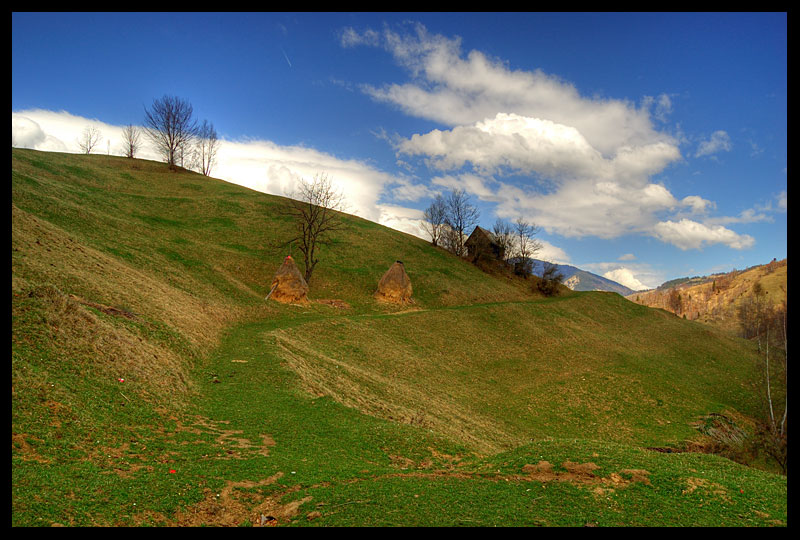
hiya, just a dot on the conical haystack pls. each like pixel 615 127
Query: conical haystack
pixel 288 285
pixel 395 286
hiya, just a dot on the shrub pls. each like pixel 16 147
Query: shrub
pixel 550 281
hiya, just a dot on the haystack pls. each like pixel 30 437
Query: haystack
pixel 288 285
pixel 394 286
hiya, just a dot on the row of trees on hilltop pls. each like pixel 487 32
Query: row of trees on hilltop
pixel 178 137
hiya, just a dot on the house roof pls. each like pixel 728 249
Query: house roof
pixel 489 235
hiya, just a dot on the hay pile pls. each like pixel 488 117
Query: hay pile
pixel 288 285
pixel 395 286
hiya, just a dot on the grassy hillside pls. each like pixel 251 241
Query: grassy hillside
pixel 152 385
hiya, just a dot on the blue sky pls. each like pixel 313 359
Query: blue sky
pixel 645 146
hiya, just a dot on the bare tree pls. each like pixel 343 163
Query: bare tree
pixel 773 434
pixel 131 140
pixel 504 237
pixel 206 148
pixel 170 125
pixel 316 208
pixel 765 322
pixel 89 139
pixel 434 218
pixel 462 215
pixel 183 151
pixel 526 246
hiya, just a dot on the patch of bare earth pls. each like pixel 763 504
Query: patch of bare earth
pixel 19 442
pixel 229 441
pixel 705 486
pixel 241 502
pixel 125 462
pixel 257 504
pixel 584 474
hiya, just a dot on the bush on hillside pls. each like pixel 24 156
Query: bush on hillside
pixel 550 280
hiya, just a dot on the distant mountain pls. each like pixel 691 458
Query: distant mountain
pixel 581 280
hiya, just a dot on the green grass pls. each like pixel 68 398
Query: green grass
pixel 231 408
pixel 507 376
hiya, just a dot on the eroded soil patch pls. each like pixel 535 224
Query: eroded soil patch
pixel 584 474
pixel 234 446
pixel 232 506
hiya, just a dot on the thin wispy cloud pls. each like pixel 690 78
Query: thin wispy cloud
pixel 719 141
pixel 286 57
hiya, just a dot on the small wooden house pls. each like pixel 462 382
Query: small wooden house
pixel 482 244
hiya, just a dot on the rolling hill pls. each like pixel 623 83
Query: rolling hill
pixel 152 384
pixel 714 299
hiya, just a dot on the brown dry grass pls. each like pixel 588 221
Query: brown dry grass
pixel 47 254
pixel 715 301
pixel 115 350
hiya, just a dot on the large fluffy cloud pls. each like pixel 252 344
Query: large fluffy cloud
pixel 624 276
pixel 456 91
pixel 26 131
pixel 272 168
pixel 588 164
pixel 519 144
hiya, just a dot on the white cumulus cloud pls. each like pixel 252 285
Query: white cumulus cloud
pixel 456 90
pixel 687 234
pixel 583 166
pixel 587 162
pixel 626 277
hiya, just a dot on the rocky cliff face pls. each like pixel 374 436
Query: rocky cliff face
pixel 572 282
